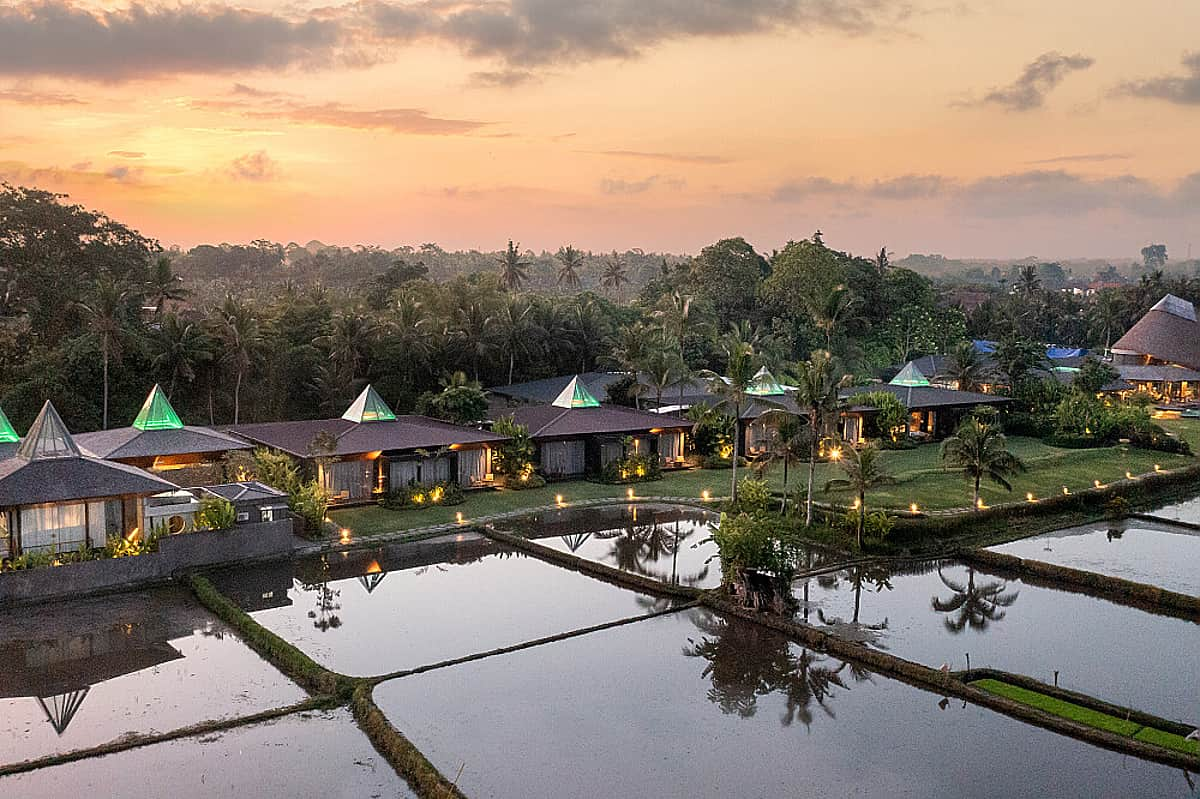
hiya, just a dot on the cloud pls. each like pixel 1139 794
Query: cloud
pixel 502 79
pixel 22 96
pixel 256 167
pixel 61 38
pixel 618 187
pixel 1180 89
pixel 126 154
pixel 530 33
pixel 336 115
pixel 82 173
pixel 678 158
pixel 1082 158
pixel 904 187
pixel 1037 79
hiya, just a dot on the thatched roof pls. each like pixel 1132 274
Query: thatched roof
pixel 1168 332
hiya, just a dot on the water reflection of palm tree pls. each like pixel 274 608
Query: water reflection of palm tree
pixel 747 661
pixel 633 547
pixel 974 606
pixel 325 615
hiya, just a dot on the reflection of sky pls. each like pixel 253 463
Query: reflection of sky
pixel 420 616
pixel 633 709
pixel 1096 646
pixel 1164 558
pixel 123 663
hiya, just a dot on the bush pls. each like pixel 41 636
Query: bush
pixel 754 496
pixel 1159 441
pixel 512 458
pixel 523 481
pixel 748 542
pixel 712 437
pixel 633 468
pixel 215 513
pixel 890 423
pixel 877 524
pixel 418 496
pixel 311 502
pixel 1116 508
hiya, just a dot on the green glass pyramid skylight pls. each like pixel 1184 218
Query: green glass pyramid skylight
pixel 157 413
pixel 576 395
pixel 369 407
pixel 910 376
pixel 7 434
pixel 765 385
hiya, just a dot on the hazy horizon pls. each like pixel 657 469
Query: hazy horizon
pixel 998 130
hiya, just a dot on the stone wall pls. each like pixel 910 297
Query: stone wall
pixel 175 553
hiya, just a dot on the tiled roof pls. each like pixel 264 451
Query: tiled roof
pixel 548 389
pixel 130 442
pixel 550 421
pixel 350 438
pixel 928 396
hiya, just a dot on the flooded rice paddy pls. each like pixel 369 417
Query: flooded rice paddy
pixel 1134 550
pixel 81 673
pixel 939 612
pixel 694 705
pixel 317 754
pixel 379 611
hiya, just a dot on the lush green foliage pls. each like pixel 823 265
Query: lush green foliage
pixel 754 496
pixel 513 458
pixel 414 497
pixel 713 433
pixel 980 450
pixel 460 401
pixel 634 467
pixel 215 513
pixel 890 422
pixel 754 542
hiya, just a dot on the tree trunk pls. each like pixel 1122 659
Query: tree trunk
pixel 812 468
pixel 512 356
pixel 211 419
pixel 737 439
pixel 105 348
pixel 975 503
pixel 862 515
pixel 237 396
pixel 783 507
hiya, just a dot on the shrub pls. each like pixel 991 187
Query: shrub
pixel 633 468
pixel 754 496
pixel 276 470
pixel 419 496
pixel 1116 508
pixel 525 480
pixel 712 437
pixel 889 422
pixel 311 502
pixel 748 541
pixel 215 513
pixel 876 525
pixel 512 458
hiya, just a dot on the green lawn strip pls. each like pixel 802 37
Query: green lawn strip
pixel 1058 707
pixel 1168 740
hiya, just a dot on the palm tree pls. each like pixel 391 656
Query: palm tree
pixel 677 314
pixel 663 366
pixel 570 262
pixel 179 347
pixel 789 443
pixel 628 351
pixel 1105 314
pixel 407 337
pixel 976 605
pixel 513 270
pixel 107 312
pixel 968 367
pixel 517 331
pixel 241 338
pixel 472 331
pixel 864 470
pixel 1029 282
pixel 980 450
pixel 817 392
pixel 733 391
pixel 349 342
pixel 164 285
pixel 615 274
pixel 828 306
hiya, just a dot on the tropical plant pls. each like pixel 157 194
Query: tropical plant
pixel 615 274
pixel 968 368
pixel 570 261
pixel 164 285
pixel 512 458
pixel 107 314
pixel 974 606
pixel 828 306
pixel 790 441
pixel 817 391
pixel 733 392
pixel 864 469
pixel 179 348
pixel 241 339
pixel 891 414
pixel 461 401
pixel 516 331
pixel 514 270
pixel 215 513
pixel 980 450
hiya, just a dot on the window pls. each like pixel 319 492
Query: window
pixel 61 527
pixel 611 452
pixel 267 515
pixel 243 516
pixel 347 480
pixel 435 470
pixel 670 447
pixel 560 458
pixel 474 466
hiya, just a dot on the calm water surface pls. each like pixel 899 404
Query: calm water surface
pixel 407 605
pixel 305 755
pixel 691 705
pixel 940 612
pixel 76 674
pixel 1188 511
pixel 667 543
pixel 1168 558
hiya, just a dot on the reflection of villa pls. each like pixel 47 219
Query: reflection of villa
pixel 576 434
pixel 53 496
pixel 160 443
pixel 370 450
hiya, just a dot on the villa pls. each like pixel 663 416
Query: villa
pixel 1160 354
pixel 160 443
pixel 53 496
pixel 370 450
pixel 575 434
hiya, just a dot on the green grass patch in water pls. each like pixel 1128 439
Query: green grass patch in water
pixel 1168 740
pixel 1060 708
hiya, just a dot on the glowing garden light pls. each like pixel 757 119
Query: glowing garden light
pixel 979 504
pixel 1066 491
pixel 558 499
pixel 1029 497
pixel 835 454
pixel 857 503
pixel 1157 468
pixel 458 517
pixel 1128 475
pixel 629 493
pixel 706 495
pixel 1097 484
pixel 913 507
pixel 344 535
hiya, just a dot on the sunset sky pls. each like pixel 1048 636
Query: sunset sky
pixel 996 128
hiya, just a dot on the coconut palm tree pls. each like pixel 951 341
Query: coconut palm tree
pixel 968 367
pixel 733 391
pixel 514 270
pixel 817 389
pixel 628 351
pixel 663 366
pixel 107 313
pixel 237 329
pixel 164 285
pixel 471 332
pixel 789 443
pixel 828 307
pixel 179 347
pixel 570 261
pixel 1105 315
pixel 679 317
pixel 864 470
pixel 615 274
pixel 517 331
pixel 975 606
pixel 350 341
pixel 980 450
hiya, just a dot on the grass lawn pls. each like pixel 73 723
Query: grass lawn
pixel 1185 429
pixel 1092 718
pixel 920 476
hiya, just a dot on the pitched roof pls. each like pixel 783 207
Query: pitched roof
pixel 545 391
pixel 249 491
pixel 369 407
pixel 351 438
pixel 127 443
pixel 765 384
pixel 928 396
pixel 551 421
pixel 575 395
pixel 1168 332
pixel 49 467
pixel 157 413
pixel 7 434
pixel 910 375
